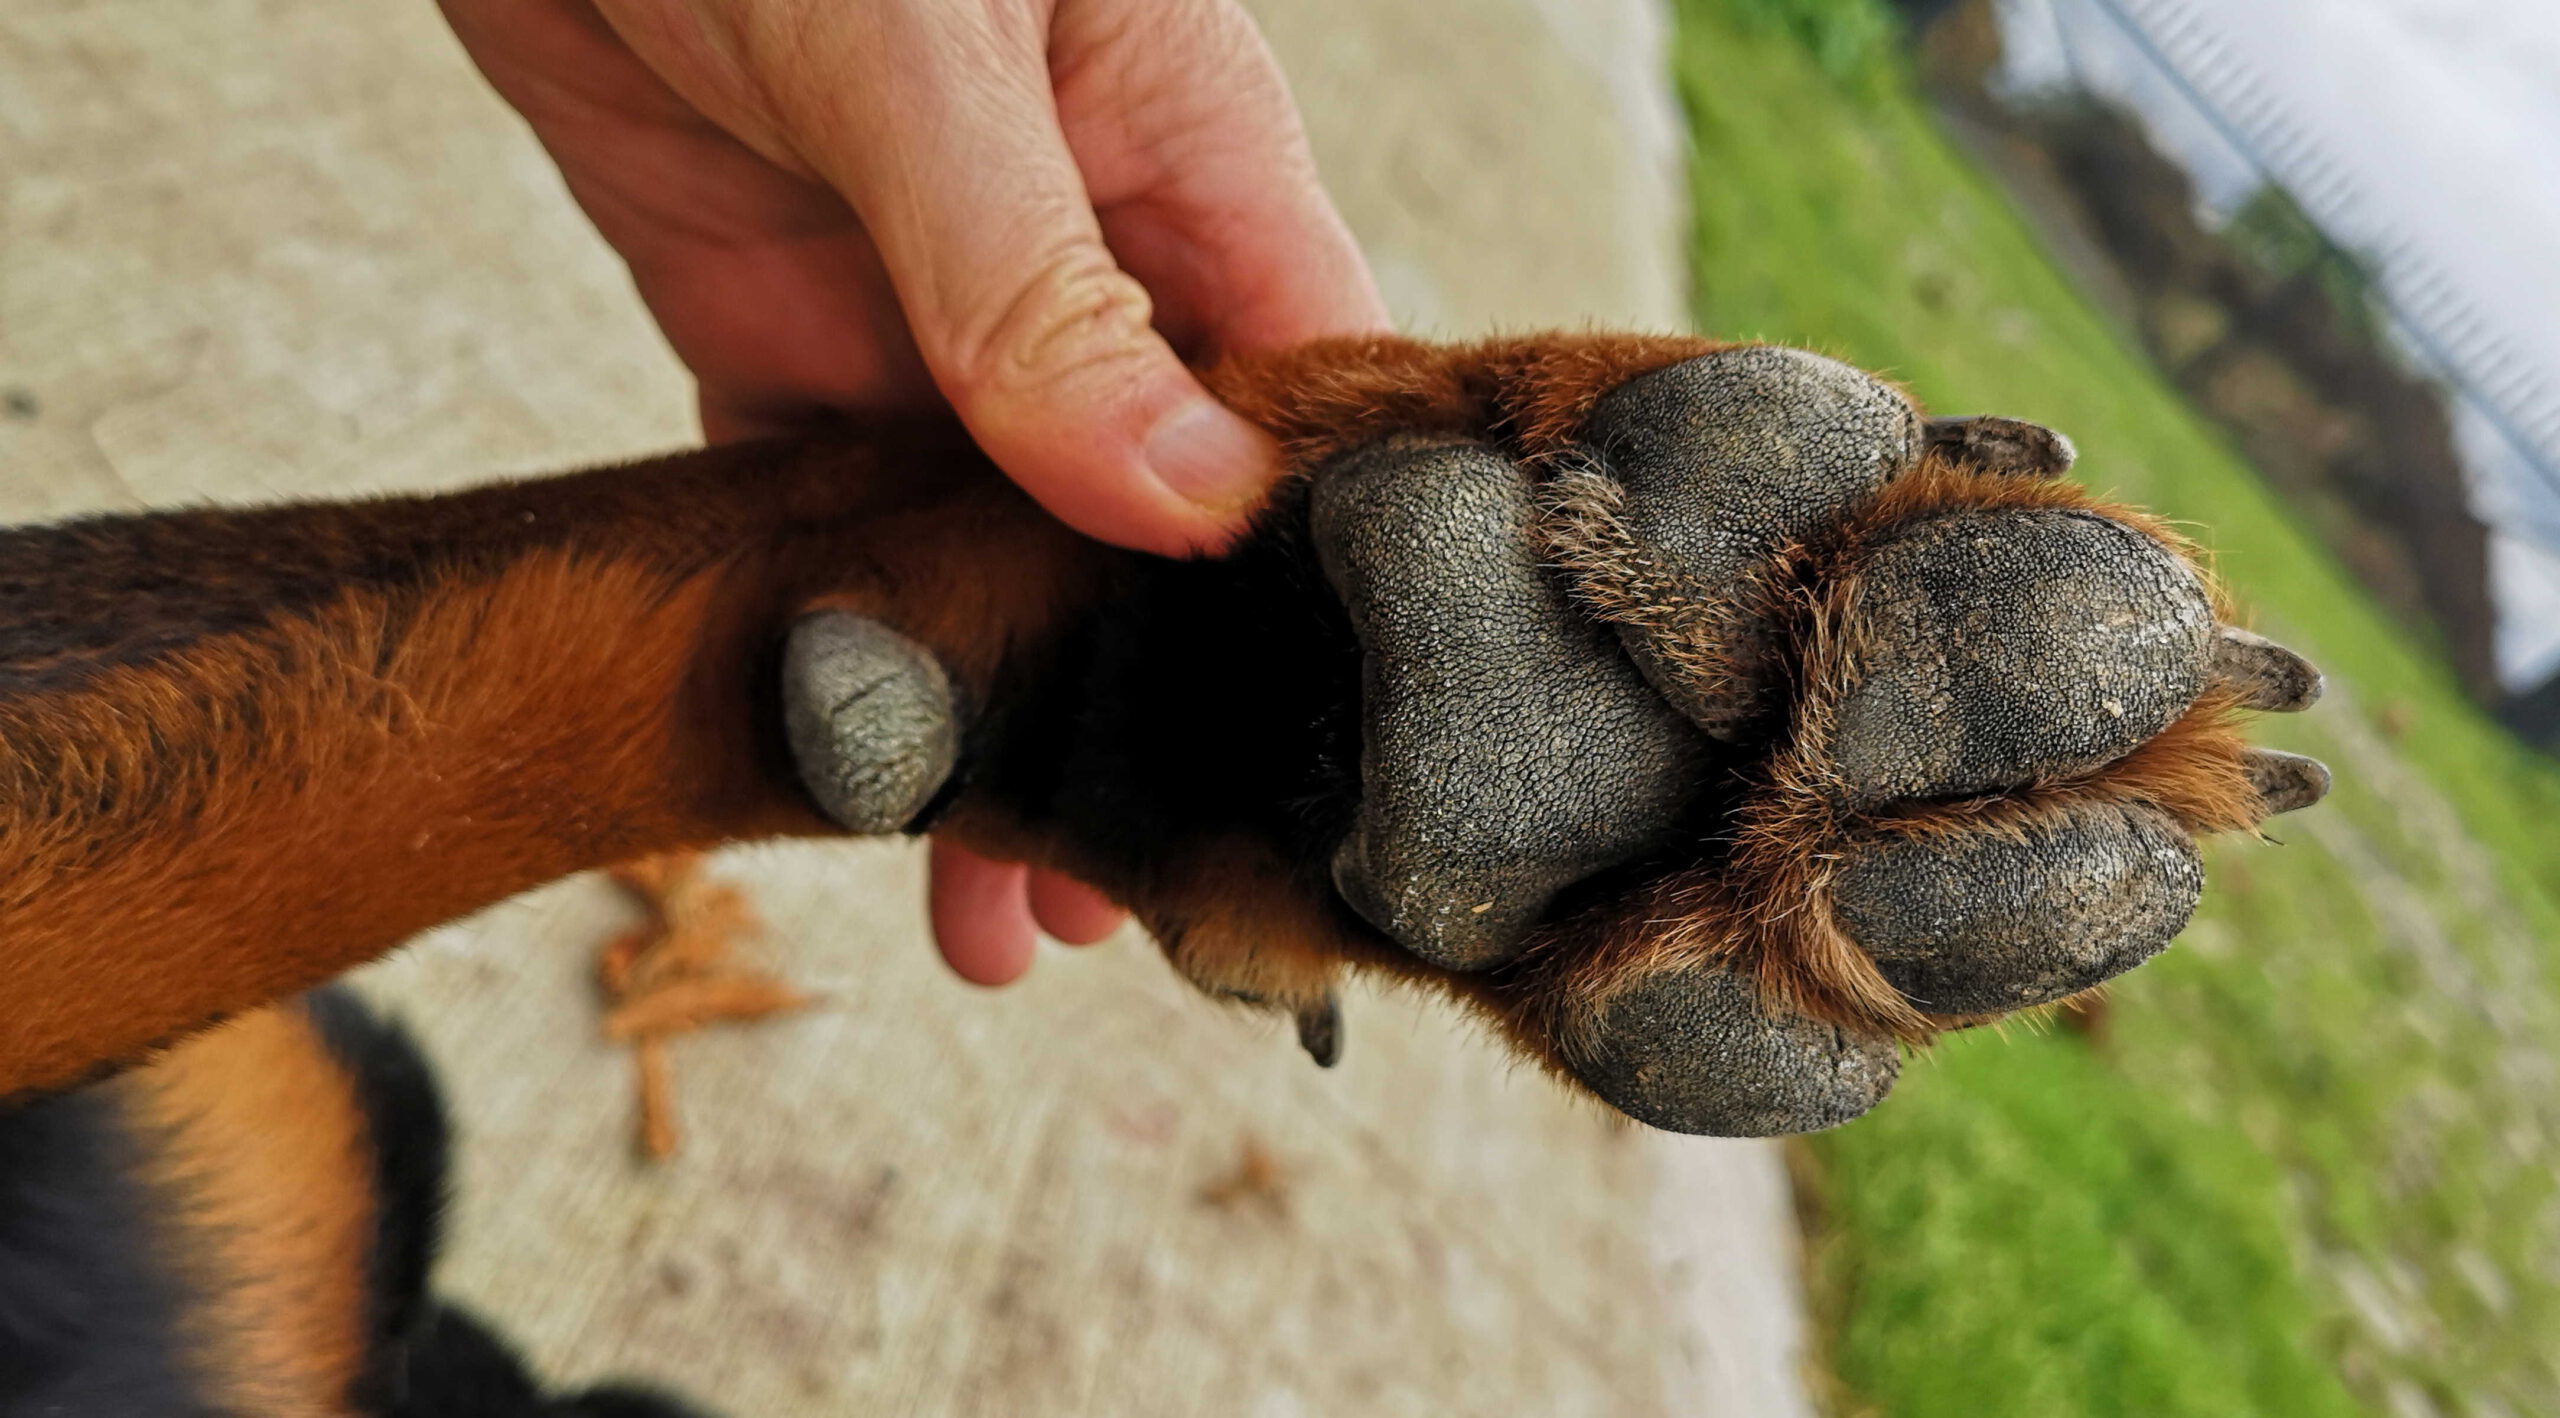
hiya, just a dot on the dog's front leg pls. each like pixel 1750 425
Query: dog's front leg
pixel 242 751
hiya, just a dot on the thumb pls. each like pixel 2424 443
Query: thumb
pixel 952 154
pixel 1056 367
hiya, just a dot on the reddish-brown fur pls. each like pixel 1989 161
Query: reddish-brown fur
pixel 192 833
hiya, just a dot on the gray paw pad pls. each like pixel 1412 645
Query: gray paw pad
pixel 2003 647
pixel 1507 749
pixel 871 720
pixel 1724 458
pixel 1986 923
pixel 1701 1051
pixel 1727 455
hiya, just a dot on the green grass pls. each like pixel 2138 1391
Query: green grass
pixel 2310 1172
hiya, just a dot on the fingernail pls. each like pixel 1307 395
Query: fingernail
pixel 1208 455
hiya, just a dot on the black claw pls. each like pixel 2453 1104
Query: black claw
pixel 2286 781
pixel 2264 674
pixel 1320 1032
pixel 2012 447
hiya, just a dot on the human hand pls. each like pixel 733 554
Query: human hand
pixel 1032 208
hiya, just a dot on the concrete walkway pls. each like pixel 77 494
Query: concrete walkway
pixel 255 248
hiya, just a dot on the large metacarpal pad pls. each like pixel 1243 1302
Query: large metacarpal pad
pixel 1507 749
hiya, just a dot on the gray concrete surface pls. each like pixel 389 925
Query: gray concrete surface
pixel 255 248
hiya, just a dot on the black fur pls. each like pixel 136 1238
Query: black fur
pixel 405 1123
pixel 87 1309
pixel 1205 699
pixel 458 1369
pixel 429 1360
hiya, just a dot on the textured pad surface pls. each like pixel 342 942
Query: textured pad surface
pixel 1726 455
pixel 1724 458
pixel 1983 923
pixel 871 720
pixel 2004 647
pixel 1701 1051
pixel 1508 750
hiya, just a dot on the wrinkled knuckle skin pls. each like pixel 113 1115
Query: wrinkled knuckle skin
pixel 1079 317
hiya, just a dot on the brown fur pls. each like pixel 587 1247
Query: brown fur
pixel 261 1159
pixel 1715 639
pixel 1530 394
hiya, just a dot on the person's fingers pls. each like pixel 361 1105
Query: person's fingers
pixel 981 915
pixel 1071 911
pixel 1193 152
pixel 951 150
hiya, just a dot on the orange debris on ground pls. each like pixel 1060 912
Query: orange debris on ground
pixel 676 973
pixel 1257 1180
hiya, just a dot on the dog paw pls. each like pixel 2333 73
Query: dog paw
pixel 1764 725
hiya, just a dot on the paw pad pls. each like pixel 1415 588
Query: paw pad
pixel 1990 650
pixel 1507 751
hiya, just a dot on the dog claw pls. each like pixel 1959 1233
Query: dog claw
pixel 2262 673
pixel 2010 447
pixel 2286 781
pixel 1320 1031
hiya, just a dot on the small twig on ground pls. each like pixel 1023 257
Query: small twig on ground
pixel 1257 1180
pixel 677 973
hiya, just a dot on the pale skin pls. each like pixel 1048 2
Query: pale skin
pixel 1032 210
